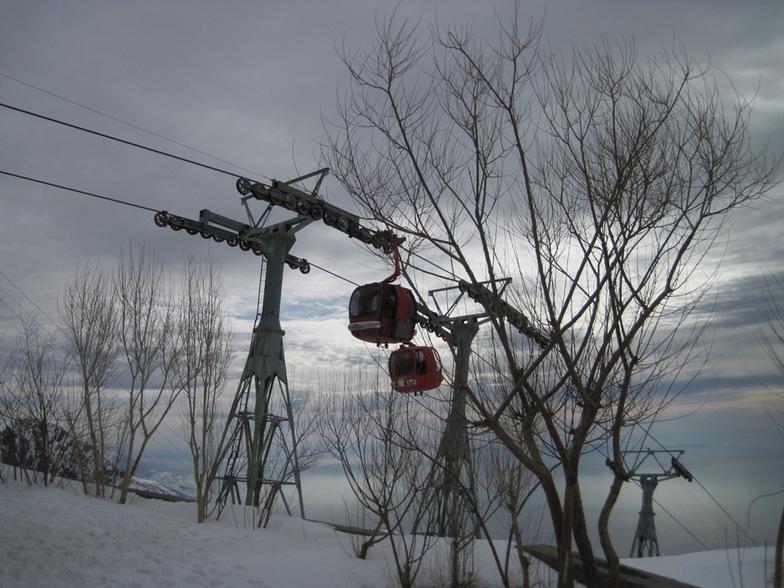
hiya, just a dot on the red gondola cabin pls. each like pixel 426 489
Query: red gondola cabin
pixel 415 369
pixel 382 313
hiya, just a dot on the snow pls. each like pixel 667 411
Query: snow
pixel 718 568
pixel 60 537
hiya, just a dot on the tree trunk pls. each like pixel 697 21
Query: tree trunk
pixel 127 471
pixel 582 540
pixel 779 557
pixel 564 537
pixel 525 562
pixel 614 566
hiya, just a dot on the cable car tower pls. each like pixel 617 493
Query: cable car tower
pixel 452 474
pixel 257 454
pixel 645 539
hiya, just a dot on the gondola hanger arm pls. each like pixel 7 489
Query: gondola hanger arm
pixel 396 255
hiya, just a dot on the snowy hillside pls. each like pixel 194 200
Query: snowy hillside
pixel 58 537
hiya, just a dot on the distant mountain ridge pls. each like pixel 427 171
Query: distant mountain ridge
pixel 169 486
pixel 23 446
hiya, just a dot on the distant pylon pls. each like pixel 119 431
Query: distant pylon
pixel 645 541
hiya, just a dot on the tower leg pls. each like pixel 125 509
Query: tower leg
pixel 645 535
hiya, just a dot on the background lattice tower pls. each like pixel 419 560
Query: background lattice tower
pixel 645 539
pixel 451 483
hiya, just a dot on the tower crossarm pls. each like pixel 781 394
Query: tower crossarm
pixel 432 323
pixel 311 204
pixel 224 230
pixel 490 300
pixel 308 206
pixel 662 463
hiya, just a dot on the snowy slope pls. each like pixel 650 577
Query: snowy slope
pixel 58 537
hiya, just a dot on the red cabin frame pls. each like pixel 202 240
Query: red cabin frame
pixel 415 369
pixel 382 313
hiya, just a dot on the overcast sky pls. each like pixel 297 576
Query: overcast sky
pixel 248 82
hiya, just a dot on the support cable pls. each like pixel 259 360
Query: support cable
pixel 138 128
pixel 61 187
pixel 333 274
pixel 449 276
pixel 27 312
pixel 716 502
pixel 112 138
pixel 133 205
pixel 729 516
pixel 680 524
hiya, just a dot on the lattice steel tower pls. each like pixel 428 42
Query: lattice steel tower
pixel 451 483
pixel 256 461
pixel 645 539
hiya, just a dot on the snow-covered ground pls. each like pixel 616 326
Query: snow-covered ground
pixel 53 537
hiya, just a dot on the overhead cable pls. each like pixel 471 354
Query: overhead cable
pixel 134 205
pixel 333 274
pixel 61 187
pixel 138 128
pixel 680 524
pixel 112 138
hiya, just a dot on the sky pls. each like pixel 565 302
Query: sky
pixel 60 538
pixel 249 82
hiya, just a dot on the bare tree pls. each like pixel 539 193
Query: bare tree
pixel 31 401
pixel 365 431
pixel 597 180
pixel 508 486
pixel 145 316
pixel 89 320
pixel 200 367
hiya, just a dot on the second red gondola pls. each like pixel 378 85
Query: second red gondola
pixel 415 369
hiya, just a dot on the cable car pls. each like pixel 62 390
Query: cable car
pixel 415 369
pixel 382 313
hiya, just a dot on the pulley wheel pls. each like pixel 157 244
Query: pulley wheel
pixel 244 186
